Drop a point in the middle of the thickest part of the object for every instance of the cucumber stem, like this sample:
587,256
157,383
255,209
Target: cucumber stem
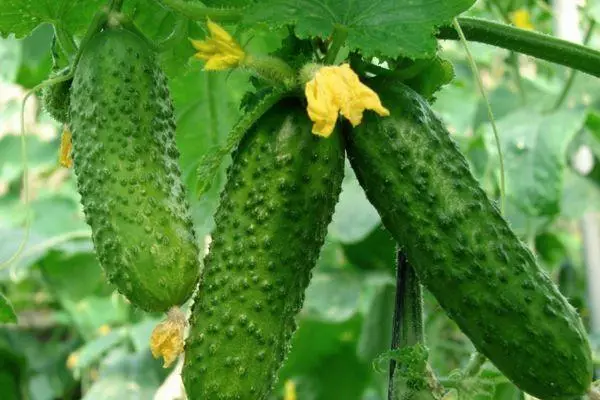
407,329
98,22
271,69
65,41
532,43
199,12
338,38
474,365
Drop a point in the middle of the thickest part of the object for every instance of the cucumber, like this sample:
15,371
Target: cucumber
55,98
128,176
279,198
463,250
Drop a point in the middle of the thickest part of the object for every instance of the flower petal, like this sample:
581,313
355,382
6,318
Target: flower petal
220,50
167,337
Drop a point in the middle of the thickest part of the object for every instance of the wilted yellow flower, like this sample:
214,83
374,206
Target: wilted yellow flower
337,90
522,19
220,50
104,330
289,390
167,337
72,360
64,154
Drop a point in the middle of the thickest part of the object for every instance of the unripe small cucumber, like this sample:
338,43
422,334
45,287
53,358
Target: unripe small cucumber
55,98
463,250
270,225
126,163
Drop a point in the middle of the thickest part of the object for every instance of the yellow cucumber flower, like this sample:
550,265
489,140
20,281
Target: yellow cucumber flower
220,50
337,90
167,337
289,390
64,154
522,19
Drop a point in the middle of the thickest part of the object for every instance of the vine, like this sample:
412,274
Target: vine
539,45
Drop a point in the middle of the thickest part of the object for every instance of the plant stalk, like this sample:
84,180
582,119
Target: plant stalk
338,38
407,329
535,44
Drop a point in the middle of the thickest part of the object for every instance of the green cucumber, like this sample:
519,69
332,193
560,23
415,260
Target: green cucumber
55,98
463,250
270,225
126,163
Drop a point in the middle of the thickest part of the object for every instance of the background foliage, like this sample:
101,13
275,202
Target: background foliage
76,337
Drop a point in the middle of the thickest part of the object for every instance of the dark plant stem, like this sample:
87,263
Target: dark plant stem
532,43
407,329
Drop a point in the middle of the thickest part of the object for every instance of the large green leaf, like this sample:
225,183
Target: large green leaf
125,376
20,17
93,351
534,147
10,54
380,27
323,361
354,215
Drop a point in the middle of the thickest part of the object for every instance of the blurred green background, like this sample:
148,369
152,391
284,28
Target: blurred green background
77,338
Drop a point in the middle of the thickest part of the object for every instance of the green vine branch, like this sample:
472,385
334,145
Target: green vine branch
197,11
573,73
532,43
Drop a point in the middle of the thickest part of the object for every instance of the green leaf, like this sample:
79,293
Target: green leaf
333,296
354,215
324,363
206,107
435,74
10,54
383,27
579,196
376,333
72,277
93,351
125,376
37,247
534,147
20,17
550,248
375,251
7,313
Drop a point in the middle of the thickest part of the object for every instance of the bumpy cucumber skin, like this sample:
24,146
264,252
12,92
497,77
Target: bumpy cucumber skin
126,163
272,220
464,251
55,98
